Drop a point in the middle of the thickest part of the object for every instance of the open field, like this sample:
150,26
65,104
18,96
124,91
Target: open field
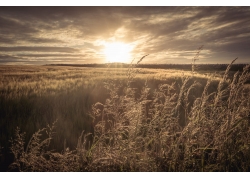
123,119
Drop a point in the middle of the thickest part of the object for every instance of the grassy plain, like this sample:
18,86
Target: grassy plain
123,119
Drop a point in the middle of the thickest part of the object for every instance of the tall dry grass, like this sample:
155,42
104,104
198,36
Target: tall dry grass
184,124
183,127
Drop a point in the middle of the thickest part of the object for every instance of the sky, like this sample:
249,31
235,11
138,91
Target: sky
83,34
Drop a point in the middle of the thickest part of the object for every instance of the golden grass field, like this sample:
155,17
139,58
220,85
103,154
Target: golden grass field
123,119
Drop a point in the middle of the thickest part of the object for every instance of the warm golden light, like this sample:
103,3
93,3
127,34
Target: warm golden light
117,52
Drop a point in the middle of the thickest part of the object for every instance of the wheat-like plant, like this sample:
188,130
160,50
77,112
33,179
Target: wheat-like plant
181,125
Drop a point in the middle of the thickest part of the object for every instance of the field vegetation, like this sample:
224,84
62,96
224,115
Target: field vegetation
64,118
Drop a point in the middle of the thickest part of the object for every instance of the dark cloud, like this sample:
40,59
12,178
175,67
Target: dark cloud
9,57
81,31
240,45
28,39
15,26
233,14
39,49
7,40
42,40
51,55
5,59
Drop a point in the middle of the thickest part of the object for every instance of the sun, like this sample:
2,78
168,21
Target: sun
117,52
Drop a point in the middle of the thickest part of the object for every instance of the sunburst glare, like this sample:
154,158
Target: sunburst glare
117,52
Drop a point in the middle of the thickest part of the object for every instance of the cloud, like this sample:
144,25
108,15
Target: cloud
225,31
39,49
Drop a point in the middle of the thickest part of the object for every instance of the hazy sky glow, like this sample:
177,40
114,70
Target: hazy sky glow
78,35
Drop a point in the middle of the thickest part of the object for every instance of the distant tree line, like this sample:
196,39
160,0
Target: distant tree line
199,67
